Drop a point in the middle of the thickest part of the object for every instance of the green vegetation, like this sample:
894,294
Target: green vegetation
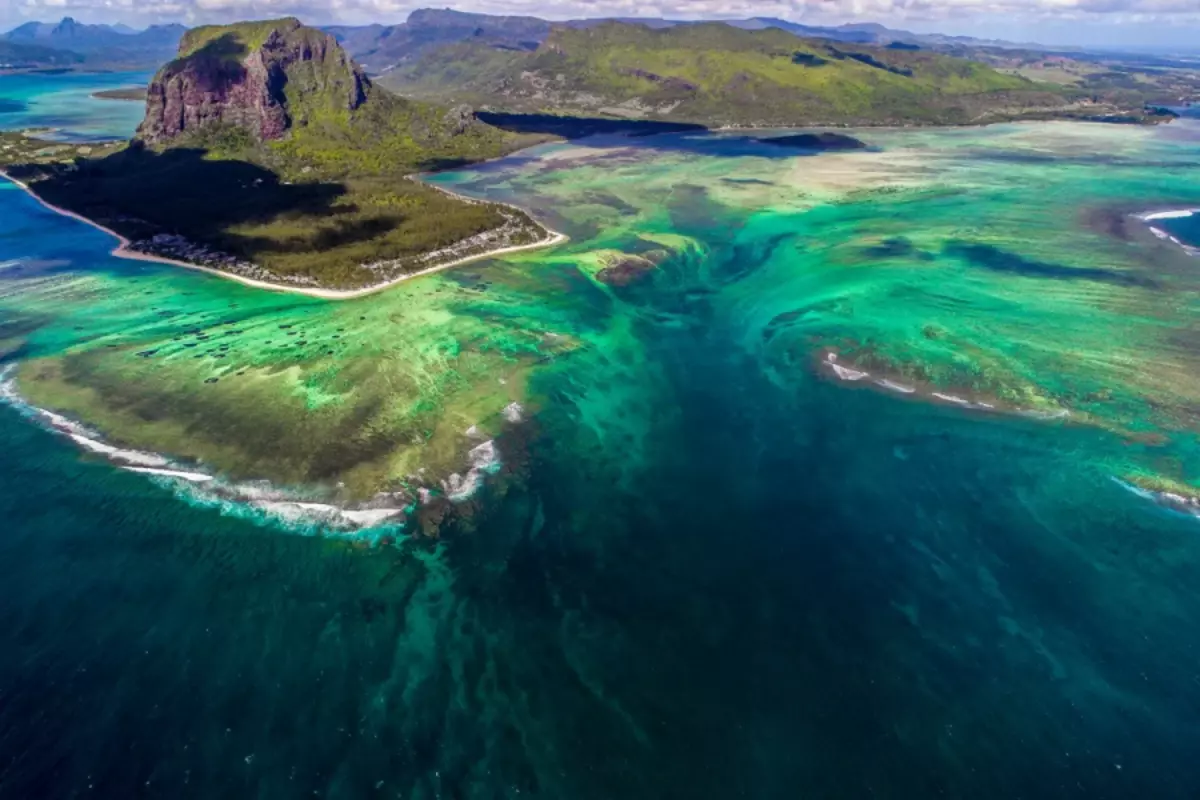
719,75
135,93
245,36
1118,78
328,204
25,148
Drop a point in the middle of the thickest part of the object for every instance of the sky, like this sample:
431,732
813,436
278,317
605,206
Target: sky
1145,24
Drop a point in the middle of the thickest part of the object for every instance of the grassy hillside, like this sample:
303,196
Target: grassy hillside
327,204
243,37
716,74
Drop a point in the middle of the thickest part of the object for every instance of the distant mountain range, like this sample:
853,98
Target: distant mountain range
856,33
383,47
720,75
72,42
484,42
30,56
380,48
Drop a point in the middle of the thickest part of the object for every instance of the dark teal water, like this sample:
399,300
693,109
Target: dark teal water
816,593
1185,229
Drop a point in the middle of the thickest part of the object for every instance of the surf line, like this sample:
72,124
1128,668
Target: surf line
206,489
855,375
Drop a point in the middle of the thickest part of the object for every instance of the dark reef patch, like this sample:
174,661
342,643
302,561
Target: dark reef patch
997,260
897,247
816,141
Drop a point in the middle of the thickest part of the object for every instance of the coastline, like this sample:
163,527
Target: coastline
124,250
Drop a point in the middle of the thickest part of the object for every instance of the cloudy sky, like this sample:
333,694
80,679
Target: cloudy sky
1162,24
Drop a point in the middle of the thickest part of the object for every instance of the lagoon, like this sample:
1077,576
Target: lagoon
705,565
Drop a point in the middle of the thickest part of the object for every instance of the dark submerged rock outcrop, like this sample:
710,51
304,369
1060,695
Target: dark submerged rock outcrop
816,141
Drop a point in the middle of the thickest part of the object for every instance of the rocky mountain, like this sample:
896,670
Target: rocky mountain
102,45
260,77
718,74
381,48
267,152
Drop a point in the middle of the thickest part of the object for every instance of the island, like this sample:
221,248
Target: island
267,155
133,93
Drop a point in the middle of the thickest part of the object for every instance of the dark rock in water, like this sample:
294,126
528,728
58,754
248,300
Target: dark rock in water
624,271
816,141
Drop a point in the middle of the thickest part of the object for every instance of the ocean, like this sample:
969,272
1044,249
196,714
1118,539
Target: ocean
710,566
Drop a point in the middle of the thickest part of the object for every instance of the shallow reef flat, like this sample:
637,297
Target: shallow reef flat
1001,268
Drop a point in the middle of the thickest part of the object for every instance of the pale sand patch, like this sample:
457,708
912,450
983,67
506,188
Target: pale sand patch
839,173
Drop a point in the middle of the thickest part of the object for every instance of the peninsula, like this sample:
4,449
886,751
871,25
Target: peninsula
267,155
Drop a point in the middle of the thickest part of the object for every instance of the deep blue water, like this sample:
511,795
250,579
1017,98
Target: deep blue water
1185,229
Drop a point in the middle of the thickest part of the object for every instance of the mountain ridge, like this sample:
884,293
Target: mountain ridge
101,44
719,75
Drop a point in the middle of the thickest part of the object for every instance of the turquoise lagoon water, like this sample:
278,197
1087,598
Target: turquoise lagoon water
64,102
802,591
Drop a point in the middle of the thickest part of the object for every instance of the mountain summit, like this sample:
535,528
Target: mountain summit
263,77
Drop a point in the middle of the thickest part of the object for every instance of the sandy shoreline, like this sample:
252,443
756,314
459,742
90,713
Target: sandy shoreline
123,250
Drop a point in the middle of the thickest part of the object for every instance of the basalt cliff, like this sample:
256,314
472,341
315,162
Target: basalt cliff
263,77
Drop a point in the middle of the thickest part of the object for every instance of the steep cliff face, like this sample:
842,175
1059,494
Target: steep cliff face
262,77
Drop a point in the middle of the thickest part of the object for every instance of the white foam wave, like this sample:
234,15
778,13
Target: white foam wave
952,398
1180,213
1169,500
194,477
513,412
372,517
484,460
8,386
252,499
1057,414
895,387
847,374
